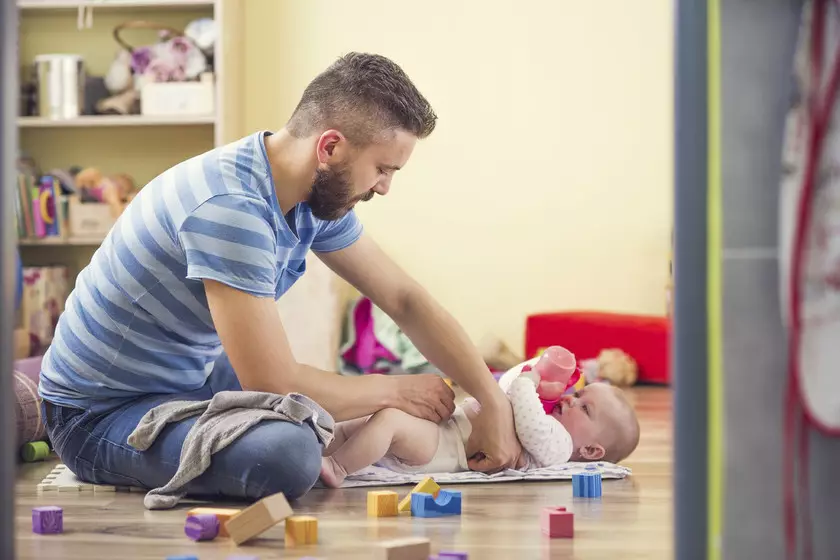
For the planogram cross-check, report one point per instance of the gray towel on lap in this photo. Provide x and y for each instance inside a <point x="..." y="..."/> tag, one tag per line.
<point x="224" y="418"/>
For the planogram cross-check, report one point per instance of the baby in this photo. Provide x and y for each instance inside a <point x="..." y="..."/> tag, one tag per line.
<point x="596" y="423"/>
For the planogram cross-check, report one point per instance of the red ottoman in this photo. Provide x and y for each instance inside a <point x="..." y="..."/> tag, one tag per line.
<point x="644" y="337"/>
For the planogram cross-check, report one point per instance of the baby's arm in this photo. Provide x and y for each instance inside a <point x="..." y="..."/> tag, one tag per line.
<point x="542" y="436"/>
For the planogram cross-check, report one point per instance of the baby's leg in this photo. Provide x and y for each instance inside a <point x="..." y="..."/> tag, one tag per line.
<point x="343" y="432"/>
<point x="409" y="438"/>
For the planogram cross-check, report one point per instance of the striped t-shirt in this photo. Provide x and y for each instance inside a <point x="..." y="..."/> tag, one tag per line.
<point x="137" y="321"/>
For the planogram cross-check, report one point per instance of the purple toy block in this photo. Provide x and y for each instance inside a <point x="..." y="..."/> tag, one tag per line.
<point x="47" y="520"/>
<point x="452" y="556"/>
<point x="202" y="527"/>
<point x="247" y="558"/>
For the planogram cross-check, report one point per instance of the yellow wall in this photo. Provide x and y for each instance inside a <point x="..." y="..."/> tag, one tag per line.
<point x="547" y="184"/>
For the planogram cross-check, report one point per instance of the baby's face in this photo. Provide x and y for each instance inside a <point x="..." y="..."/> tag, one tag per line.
<point x="585" y="414"/>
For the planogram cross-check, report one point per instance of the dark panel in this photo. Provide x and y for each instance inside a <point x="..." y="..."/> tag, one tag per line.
<point x="690" y="362"/>
<point x="8" y="233"/>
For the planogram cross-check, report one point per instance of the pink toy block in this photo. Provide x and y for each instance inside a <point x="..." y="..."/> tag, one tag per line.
<point x="557" y="523"/>
<point x="47" y="520"/>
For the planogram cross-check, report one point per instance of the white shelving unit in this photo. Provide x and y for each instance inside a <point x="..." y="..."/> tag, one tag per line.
<point x="108" y="120"/>
<point x="149" y="143"/>
<point x="109" y="4"/>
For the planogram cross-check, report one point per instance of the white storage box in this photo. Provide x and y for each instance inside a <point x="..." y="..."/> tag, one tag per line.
<point x="178" y="98"/>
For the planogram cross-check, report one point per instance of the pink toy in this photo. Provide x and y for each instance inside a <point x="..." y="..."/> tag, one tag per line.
<point x="557" y="368"/>
<point x="557" y="523"/>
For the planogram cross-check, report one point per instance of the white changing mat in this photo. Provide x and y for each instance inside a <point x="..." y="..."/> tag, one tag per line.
<point x="377" y="476"/>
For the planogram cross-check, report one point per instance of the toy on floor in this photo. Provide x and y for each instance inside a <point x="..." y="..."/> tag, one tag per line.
<point x="586" y="485"/>
<point x="34" y="451"/>
<point x="187" y="557"/>
<point x="258" y="518"/>
<point x="447" y="502"/>
<point x="427" y="485"/>
<point x="47" y="520"/>
<point x="416" y="548"/>
<point x="222" y="514"/>
<point x="612" y="365"/>
<point x="557" y="523"/>
<point x="202" y="527"/>
<point x="382" y="504"/>
<point x="450" y="556"/>
<point x="301" y="530"/>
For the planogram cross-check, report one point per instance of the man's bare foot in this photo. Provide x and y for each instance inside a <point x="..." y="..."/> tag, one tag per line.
<point x="332" y="474"/>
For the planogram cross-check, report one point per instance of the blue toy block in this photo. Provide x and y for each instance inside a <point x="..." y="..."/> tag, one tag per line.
<point x="586" y="485"/>
<point x="448" y="502"/>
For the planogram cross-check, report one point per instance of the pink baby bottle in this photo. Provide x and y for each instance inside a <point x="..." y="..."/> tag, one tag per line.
<point x="557" y="368"/>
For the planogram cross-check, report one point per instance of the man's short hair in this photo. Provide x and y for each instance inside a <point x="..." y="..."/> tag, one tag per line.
<point x="362" y="95"/>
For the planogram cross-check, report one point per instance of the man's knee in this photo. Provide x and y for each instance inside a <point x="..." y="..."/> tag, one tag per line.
<point x="286" y="458"/>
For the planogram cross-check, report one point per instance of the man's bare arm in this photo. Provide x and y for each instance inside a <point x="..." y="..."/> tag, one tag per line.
<point x="252" y="334"/>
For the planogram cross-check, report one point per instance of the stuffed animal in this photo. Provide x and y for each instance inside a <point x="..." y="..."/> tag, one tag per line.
<point x="612" y="365"/>
<point x="116" y="190"/>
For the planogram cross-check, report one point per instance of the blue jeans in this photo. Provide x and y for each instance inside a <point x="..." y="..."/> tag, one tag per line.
<point x="271" y="457"/>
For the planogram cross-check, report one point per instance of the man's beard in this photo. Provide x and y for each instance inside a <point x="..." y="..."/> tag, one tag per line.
<point x="331" y="196"/>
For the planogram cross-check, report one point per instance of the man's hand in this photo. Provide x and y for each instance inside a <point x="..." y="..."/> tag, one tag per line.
<point x="425" y="395"/>
<point x="493" y="445"/>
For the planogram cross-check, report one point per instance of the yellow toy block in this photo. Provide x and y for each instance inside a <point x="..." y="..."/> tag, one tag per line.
<point x="426" y="486"/>
<point x="382" y="504"/>
<point x="222" y="514"/>
<point x="301" y="530"/>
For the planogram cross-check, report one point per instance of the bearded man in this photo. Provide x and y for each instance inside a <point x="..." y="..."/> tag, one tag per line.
<point x="178" y="304"/>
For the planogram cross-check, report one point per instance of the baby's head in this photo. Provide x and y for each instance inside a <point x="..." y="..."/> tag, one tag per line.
<point x="601" y="421"/>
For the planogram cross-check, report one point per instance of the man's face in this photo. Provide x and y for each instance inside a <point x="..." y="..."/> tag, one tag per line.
<point x="353" y="175"/>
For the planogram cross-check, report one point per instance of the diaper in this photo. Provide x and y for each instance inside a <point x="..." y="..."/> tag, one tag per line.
<point x="450" y="457"/>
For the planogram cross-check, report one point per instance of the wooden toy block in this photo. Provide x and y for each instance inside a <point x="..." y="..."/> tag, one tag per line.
<point x="47" y="520"/>
<point x="301" y="530"/>
<point x="69" y="487"/>
<point x="447" y="502"/>
<point x="222" y="514"/>
<point x="586" y="485"/>
<point x="406" y="549"/>
<point x="202" y="527"/>
<point x="382" y="504"/>
<point x="98" y="488"/>
<point x="427" y="486"/>
<point x="46" y="488"/>
<point x="557" y="523"/>
<point x="258" y="518"/>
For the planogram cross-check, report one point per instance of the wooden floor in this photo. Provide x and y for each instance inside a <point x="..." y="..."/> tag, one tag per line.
<point x="499" y="521"/>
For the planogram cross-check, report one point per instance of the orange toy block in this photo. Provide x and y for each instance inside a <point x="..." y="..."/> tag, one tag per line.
<point x="426" y="486"/>
<point x="406" y="549"/>
<point x="382" y="504"/>
<point x="301" y="530"/>
<point x="258" y="518"/>
<point x="557" y="523"/>
<point x="221" y="514"/>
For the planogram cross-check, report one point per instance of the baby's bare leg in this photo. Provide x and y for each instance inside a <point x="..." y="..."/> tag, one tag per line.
<point x="343" y="432"/>
<point x="413" y="440"/>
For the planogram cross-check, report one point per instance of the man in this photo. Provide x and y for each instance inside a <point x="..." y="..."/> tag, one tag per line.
<point x="179" y="302"/>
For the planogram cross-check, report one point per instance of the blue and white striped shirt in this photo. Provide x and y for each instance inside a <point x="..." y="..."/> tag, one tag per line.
<point x="137" y="321"/>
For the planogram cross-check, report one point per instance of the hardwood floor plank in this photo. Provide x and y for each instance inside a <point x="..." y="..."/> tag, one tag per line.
<point x="499" y="521"/>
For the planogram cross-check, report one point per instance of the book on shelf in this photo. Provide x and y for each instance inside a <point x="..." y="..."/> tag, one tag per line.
<point x="40" y="207"/>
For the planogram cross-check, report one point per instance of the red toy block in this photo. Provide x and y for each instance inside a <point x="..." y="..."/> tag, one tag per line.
<point x="557" y="523"/>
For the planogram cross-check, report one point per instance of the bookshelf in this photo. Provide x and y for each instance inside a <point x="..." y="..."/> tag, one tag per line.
<point x="138" y="145"/>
